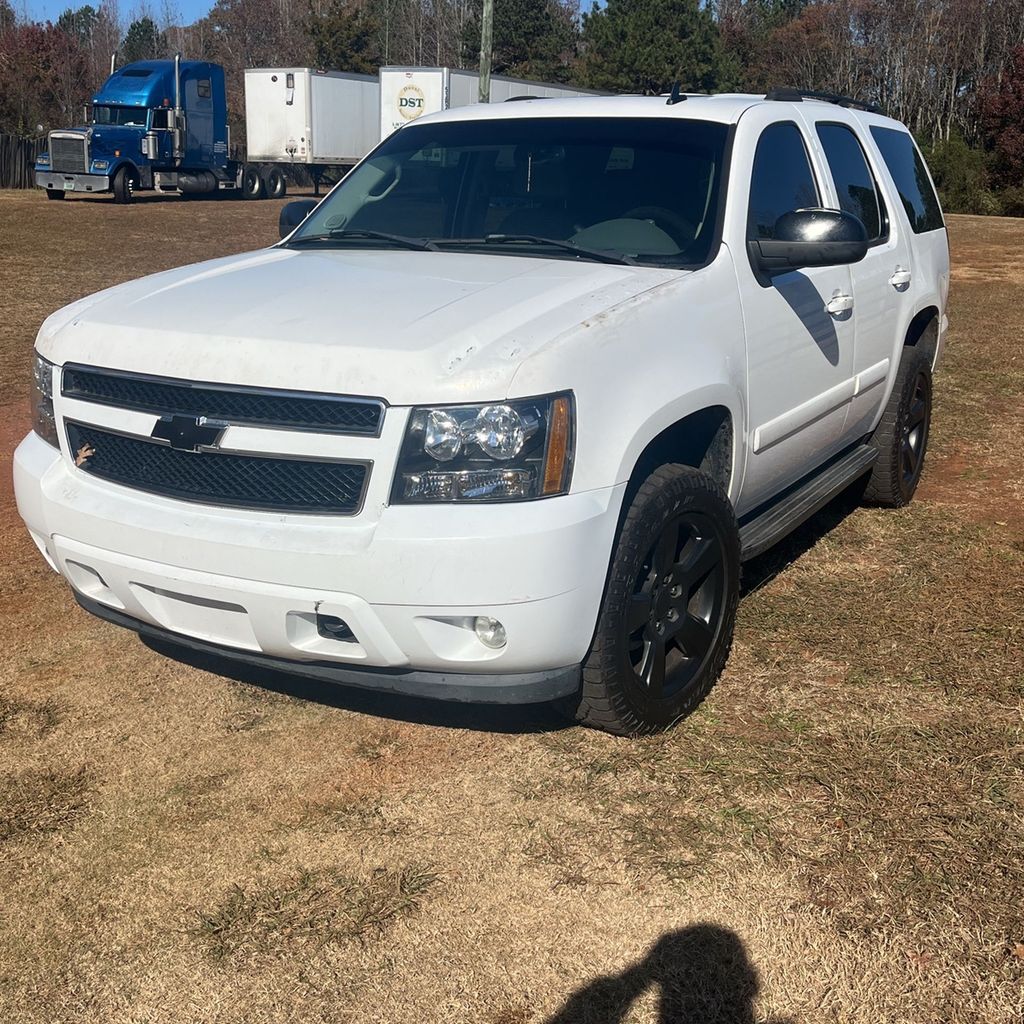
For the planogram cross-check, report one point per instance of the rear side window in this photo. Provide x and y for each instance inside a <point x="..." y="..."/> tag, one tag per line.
<point x="781" y="181"/>
<point x="854" y="182"/>
<point x="911" y="177"/>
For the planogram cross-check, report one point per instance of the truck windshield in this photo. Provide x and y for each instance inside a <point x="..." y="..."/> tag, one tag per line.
<point x="638" y="189"/>
<point x="105" y="114"/>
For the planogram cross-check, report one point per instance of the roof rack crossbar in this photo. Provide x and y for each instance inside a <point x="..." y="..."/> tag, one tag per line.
<point x="798" y="95"/>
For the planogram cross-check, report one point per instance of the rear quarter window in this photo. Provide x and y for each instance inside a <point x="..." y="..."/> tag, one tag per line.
<point x="911" y="178"/>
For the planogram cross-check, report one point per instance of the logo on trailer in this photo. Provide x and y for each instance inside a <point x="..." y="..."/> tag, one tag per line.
<point x="188" y="433"/>
<point x="411" y="102"/>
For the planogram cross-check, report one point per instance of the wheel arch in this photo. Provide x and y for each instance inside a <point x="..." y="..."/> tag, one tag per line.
<point x="923" y="330"/>
<point x="704" y="438"/>
<point x="125" y="162"/>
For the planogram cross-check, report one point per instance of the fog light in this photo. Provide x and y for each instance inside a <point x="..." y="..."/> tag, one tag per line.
<point x="490" y="632"/>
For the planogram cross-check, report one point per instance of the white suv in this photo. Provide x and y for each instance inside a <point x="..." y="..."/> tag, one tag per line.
<point x="501" y="417"/>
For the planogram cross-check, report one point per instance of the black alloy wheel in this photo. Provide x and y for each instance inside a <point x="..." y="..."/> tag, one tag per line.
<point x="677" y="606"/>
<point x="666" y="619"/>
<point x="901" y="437"/>
<point x="915" y="431"/>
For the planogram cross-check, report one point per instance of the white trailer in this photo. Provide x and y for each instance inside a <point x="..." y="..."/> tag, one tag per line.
<point x="408" y="93"/>
<point x="316" y="119"/>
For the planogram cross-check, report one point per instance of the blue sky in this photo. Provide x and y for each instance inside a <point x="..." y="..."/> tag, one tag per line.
<point x="50" y="10"/>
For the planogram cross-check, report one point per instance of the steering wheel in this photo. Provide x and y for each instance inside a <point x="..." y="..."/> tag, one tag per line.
<point x="682" y="231"/>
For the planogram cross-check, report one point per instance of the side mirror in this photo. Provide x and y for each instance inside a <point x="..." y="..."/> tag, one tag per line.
<point x="293" y="214"/>
<point x="811" y="238"/>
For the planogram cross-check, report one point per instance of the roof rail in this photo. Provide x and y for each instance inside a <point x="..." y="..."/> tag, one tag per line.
<point x="799" y="95"/>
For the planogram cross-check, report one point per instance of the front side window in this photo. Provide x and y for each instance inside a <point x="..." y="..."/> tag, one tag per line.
<point x="781" y="180"/>
<point x="852" y="177"/>
<point x="637" y="189"/>
<point x="911" y="178"/>
<point x="107" y="114"/>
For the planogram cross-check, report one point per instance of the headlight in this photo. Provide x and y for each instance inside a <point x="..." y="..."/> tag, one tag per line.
<point x="100" y="165"/>
<point x="43" y="158"/>
<point x="44" y="423"/>
<point x="502" y="451"/>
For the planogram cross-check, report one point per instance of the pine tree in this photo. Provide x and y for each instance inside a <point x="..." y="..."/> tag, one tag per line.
<point x="344" y="38"/>
<point x="647" y="45"/>
<point x="142" y="41"/>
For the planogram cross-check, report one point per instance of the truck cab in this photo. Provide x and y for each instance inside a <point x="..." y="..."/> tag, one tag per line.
<point x="157" y="124"/>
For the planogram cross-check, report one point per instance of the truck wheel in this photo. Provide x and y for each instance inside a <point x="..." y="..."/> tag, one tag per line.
<point x="274" y="184"/>
<point x="124" y="185"/>
<point x="55" y="193"/>
<point x="252" y="183"/>
<point x="901" y="438"/>
<point x="666" y="621"/>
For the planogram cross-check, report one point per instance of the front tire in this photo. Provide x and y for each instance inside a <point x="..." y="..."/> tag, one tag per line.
<point x="55" y="193"/>
<point x="666" y="621"/>
<point x="124" y="186"/>
<point x="901" y="438"/>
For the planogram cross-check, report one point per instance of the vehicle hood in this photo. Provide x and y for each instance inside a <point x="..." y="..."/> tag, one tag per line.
<point x="105" y="139"/>
<point x="408" y="327"/>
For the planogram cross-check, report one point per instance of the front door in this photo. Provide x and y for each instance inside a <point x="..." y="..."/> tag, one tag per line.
<point x="799" y="324"/>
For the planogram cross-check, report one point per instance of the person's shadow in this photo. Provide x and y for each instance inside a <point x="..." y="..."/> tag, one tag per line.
<point x="702" y="975"/>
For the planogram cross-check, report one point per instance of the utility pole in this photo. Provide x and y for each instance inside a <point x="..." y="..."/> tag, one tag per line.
<point x="486" y="23"/>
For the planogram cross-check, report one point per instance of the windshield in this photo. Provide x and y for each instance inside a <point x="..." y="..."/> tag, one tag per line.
<point x="134" y="116"/>
<point x="639" y="189"/>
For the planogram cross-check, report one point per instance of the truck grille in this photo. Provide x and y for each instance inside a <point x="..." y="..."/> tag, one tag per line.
<point x="68" y="154"/>
<point x="292" y="410"/>
<point x="262" y="482"/>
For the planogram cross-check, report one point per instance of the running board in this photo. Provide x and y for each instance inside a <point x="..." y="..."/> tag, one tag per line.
<point x="771" y="525"/>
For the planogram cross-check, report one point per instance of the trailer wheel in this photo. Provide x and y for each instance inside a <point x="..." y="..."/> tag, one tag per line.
<point x="252" y="183"/>
<point x="274" y="183"/>
<point x="124" y="185"/>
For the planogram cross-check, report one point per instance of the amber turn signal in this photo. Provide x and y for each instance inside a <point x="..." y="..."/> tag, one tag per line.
<point x="559" y="453"/>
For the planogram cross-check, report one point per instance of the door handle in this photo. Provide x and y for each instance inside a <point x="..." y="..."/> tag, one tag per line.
<point x="839" y="304"/>
<point x="900" y="278"/>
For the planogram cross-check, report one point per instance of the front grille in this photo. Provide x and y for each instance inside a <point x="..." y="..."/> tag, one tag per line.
<point x="263" y="482"/>
<point x="68" y="155"/>
<point x="292" y="410"/>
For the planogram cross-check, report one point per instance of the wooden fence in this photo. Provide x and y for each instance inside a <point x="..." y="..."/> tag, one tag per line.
<point x="17" y="157"/>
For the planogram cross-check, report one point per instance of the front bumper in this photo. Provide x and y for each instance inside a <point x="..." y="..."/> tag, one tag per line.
<point x="407" y="580"/>
<point x="65" y="181"/>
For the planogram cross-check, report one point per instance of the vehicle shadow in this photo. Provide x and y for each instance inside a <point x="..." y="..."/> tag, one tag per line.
<point x="760" y="571"/>
<point x="702" y="975"/>
<point x="496" y="718"/>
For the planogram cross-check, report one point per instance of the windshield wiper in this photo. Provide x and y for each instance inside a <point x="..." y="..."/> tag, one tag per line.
<point x="340" y="234"/>
<point x="601" y="255"/>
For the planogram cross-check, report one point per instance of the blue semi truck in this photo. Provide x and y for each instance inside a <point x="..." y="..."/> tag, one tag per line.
<point x="161" y="125"/>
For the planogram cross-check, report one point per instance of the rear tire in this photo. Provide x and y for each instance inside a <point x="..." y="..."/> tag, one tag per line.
<point x="275" y="185"/>
<point x="901" y="438"/>
<point x="55" y="193"/>
<point x="124" y="186"/>
<point x="252" y="183"/>
<point x="666" y="620"/>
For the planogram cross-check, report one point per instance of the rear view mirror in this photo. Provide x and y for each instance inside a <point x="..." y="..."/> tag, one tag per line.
<point x="293" y="214"/>
<point x="811" y="238"/>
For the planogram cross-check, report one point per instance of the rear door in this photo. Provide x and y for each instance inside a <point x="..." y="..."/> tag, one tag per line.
<point x="881" y="281"/>
<point x="799" y="355"/>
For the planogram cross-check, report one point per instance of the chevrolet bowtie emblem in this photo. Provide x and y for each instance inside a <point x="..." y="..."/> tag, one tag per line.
<point x="188" y="433"/>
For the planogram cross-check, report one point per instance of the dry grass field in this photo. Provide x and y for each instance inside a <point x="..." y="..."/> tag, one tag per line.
<point x="837" y="835"/>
